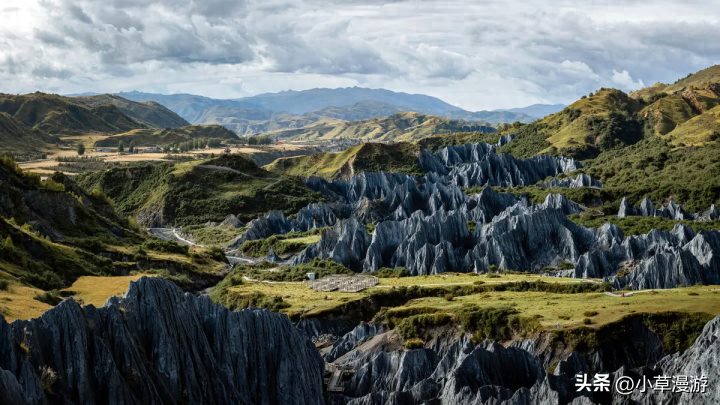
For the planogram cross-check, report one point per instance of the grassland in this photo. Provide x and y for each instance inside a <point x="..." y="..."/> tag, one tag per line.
<point x="537" y="303"/>
<point x="304" y="301"/>
<point x="94" y="290"/>
<point x="398" y="157"/>
<point x="570" y="310"/>
<point x="167" y="136"/>
<point x="18" y="302"/>
<point x="21" y="302"/>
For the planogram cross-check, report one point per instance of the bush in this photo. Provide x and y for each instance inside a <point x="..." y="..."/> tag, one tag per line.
<point x="414" y="343"/>
<point x="166" y="246"/>
<point x="386" y="272"/>
<point x="236" y="301"/>
<point x="590" y="313"/>
<point x="418" y="326"/>
<point x="4" y="285"/>
<point x="587" y="321"/>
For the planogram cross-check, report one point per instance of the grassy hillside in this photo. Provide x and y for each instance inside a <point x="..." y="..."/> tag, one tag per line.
<point x="405" y="126"/>
<point x="18" y="139"/>
<point x="58" y="115"/>
<point x="684" y="113"/>
<point x="168" y="136"/>
<point x="199" y="191"/>
<point x="52" y="232"/>
<point x="148" y="113"/>
<point x="601" y="121"/>
<point x="397" y="157"/>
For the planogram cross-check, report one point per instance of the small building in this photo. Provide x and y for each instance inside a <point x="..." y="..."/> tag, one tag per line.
<point x="311" y="276"/>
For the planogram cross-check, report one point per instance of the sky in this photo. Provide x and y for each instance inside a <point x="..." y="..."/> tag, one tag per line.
<point x="476" y="55"/>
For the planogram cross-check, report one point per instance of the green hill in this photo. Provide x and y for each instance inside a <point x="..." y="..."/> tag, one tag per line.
<point x="16" y="138"/>
<point x="682" y="113"/>
<point x="396" y="157"/>
<point x="404" y="126"/>
<point x="598" y="122"/>
<point x="147" y="113"/>
<point x="52" y="232"/>
<point x="168" y="136"/>
<point x="199" y="191"/>
<point x="58" y="115"/>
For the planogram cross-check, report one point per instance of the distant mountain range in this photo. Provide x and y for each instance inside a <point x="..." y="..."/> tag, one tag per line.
<point x="297" y="109"/>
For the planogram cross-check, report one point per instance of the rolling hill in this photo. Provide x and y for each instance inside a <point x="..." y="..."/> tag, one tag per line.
<point x="16" y="138"/>
<point x="58" y="115"/>
<point x="168" y="136"/>
<point x="54" y="232"/>
<point x="406" y="126"/>
<point x="199" y="191"/>
<point x="394" y="157"/>
<point x="148" y="113"/>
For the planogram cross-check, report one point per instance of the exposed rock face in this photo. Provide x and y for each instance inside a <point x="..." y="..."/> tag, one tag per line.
<point x="579" y="181"/>
<point x="701" y="359"/>
<point x="157" y="345"/>
<point x="451" y="370"/>
<point x="656" y="260"/>
<point x="478" y="164"/>
<point x="670" y="210"/>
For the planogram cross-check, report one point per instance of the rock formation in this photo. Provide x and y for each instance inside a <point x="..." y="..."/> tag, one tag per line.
<point x="157" y="345"/>
<point x="451" y="369"/>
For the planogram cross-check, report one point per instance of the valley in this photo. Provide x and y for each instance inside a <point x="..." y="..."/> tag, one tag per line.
<point x="504" y="259"/>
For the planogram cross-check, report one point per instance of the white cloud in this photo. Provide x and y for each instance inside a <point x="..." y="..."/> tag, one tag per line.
<point x="625" y="81"/>
<point x="492" y="54"/>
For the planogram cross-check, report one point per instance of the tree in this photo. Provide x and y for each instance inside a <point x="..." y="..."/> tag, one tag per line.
<point x="80" y="149"/>
<point x="131" y="149"/>
<point x="121" y="147"/>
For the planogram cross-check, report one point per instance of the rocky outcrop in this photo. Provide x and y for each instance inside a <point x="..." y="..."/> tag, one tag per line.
<point x="352" y="339"/>
<point x="478" y="164"/>
<point x="658" y="259"/>
<point x="579" y="181"/>
<point x="157" y="345"/>
<point x="670" y="210"/>
<point x="523" y="237"/>
<point x="700" y="359"/>
<point x="452" y="370"/>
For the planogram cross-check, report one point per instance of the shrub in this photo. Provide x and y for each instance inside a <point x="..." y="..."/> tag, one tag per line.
<point x="386" y="272"/>
<point x="4" y="285"/>
<point x="590" y="313"/>
<point x="417" y="326"/>
<point x="414" y="343"/>
<point x="166" y="246"/>
<point x="236" y="301"/>
<point x="587" y="321"/>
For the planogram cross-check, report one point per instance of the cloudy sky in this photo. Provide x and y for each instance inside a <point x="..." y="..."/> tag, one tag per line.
<point x="477" y="55"/>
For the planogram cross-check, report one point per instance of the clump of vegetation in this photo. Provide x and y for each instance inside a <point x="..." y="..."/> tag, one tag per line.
<point x="497" y="323"/>
<point x="677" y="331"/>
<point x="281" y="244"/>
<point x="418" y="326"/>
<point x="237" y="301"/>
<point x="49" y="297"/>
<point x="414" y="343"/>
<point x="386" y="272"/>
<point x="167" y="246"/>
<point x="269" y="272"/>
